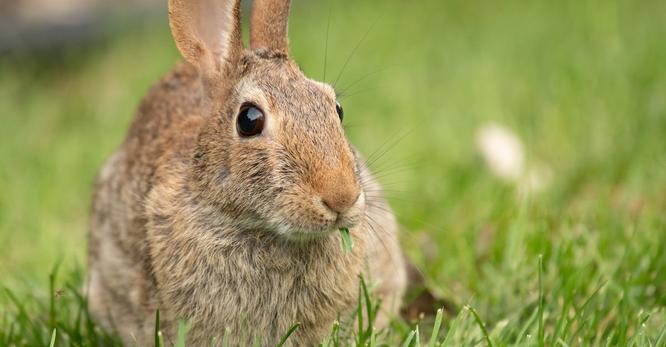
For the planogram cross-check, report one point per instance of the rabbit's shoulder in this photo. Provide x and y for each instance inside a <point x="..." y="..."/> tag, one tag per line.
<point x="172" y="100"/>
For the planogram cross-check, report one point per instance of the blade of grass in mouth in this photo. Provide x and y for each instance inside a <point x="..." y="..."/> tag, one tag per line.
<point x="347" y="242"/>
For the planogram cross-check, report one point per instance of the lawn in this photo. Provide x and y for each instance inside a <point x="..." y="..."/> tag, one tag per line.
<point x="579" y="262"/>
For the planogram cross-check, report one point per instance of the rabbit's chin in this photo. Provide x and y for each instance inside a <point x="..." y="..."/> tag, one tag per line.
<point x="301" y="234"/>
<point x="304" y="236"/>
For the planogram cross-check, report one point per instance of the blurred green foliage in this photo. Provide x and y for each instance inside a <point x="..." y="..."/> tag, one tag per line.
<point x="583" y="83"/>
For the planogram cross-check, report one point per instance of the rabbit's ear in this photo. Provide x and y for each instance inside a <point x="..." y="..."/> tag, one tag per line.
<point x="207" y="32"/>
<point x="268" y="25"/>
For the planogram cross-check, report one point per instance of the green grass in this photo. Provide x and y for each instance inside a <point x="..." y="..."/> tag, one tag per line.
<point x="583" y="83"/>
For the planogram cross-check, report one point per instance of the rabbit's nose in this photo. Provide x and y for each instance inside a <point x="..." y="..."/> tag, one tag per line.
<point x="336" y="186"/>
<point x="340" y="201"/>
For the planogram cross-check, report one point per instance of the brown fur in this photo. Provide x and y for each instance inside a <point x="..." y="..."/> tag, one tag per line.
<point x="234" y="233"/>
<point x="268" y="25"/>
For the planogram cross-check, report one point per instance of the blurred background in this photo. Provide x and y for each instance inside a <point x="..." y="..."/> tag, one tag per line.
<point x="501" y="131"/>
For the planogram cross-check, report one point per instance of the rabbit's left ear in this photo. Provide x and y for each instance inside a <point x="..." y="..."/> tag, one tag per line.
<point x="268" y="25"/>
<point x="207" y="33"/>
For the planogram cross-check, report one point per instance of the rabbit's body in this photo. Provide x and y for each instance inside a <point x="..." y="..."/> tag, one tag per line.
<point x="174" y="230"/>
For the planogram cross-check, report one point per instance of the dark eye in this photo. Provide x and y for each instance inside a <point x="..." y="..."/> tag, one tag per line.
<point x="250" y="120"/>
<point x="339" y="110"/>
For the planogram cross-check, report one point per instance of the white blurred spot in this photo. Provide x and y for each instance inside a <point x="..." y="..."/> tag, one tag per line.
<point x="504" y="154"/>
<point x="502" y="151"/>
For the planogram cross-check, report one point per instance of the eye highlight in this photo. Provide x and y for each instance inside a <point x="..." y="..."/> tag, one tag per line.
<point x="250" y="121"/>
<point x="339" y="110"/>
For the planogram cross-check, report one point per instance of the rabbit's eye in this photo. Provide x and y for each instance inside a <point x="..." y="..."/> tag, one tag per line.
<point x="250" y="120"/>
<point x="339" y="110"/>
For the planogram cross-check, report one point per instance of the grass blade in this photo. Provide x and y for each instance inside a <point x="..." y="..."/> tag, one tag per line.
<point x="225" y="338"/>
<point x="452" y="330"/>
<point x="540" y="275"/>
<point x="157" y="328"/>
<point x="289" y="333"/>
<point x="478" y="320"/>
<point x="408" y="340"/>
<point x="183" y="328"/>
<point x="368" y="304"/>
<point x="52" y="295"/>
<point x="661" y="340"/>
<point x="359" y="314"/>
<point x="435" y="329"/>
<point x="347" y="242"/>
<point x="23" y="317"/>
<point x="53" y="338"/>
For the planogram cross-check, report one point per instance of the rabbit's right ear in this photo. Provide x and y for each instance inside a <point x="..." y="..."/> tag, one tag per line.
<point x="207" y="33"/>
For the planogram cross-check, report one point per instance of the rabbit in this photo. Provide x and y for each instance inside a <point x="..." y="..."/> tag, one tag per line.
<point x="222" y="206"/>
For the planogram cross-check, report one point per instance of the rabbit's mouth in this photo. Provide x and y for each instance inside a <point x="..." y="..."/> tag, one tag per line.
<point x="306" y="235"/>
<point x="311" y="217"/>
<point x="303" y="236"/>
<point x="314" y="233"/>
<point x="318" y="221"/>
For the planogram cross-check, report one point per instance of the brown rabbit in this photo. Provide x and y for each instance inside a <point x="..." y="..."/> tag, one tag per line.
<point x="222" y="206"/>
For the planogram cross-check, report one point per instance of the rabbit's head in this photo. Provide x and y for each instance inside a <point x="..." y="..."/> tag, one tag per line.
<point x="272" y="154"/>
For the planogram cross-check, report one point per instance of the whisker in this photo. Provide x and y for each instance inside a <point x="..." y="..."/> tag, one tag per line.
<point x="391" y="171"/>
<point x="380" y="190"/>
<point x="328" y="27"/>
<point x="388" y="184"/>
<point x="344" y="90"/>
<point x="378" y="235"/>
<point x="380" y="203"/>
<point x="379" y="199"/>
<point x="381" y="179"/>
<point x="342" y="96"/>
<point x="372" y="223"/>
<point x="348" y="126"/>
<point x="384" y="148"/>
<point x="344" y="66"/>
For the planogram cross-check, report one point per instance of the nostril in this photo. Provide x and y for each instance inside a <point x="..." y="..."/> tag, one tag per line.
<point x="328" y="205"/>
<point x="340" y="203"/>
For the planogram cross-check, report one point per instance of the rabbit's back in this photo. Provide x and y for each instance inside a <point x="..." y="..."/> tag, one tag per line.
<point x="121" y="283"/>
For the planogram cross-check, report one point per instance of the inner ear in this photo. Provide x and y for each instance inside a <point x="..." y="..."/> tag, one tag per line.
<point x="207" y="33"/>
